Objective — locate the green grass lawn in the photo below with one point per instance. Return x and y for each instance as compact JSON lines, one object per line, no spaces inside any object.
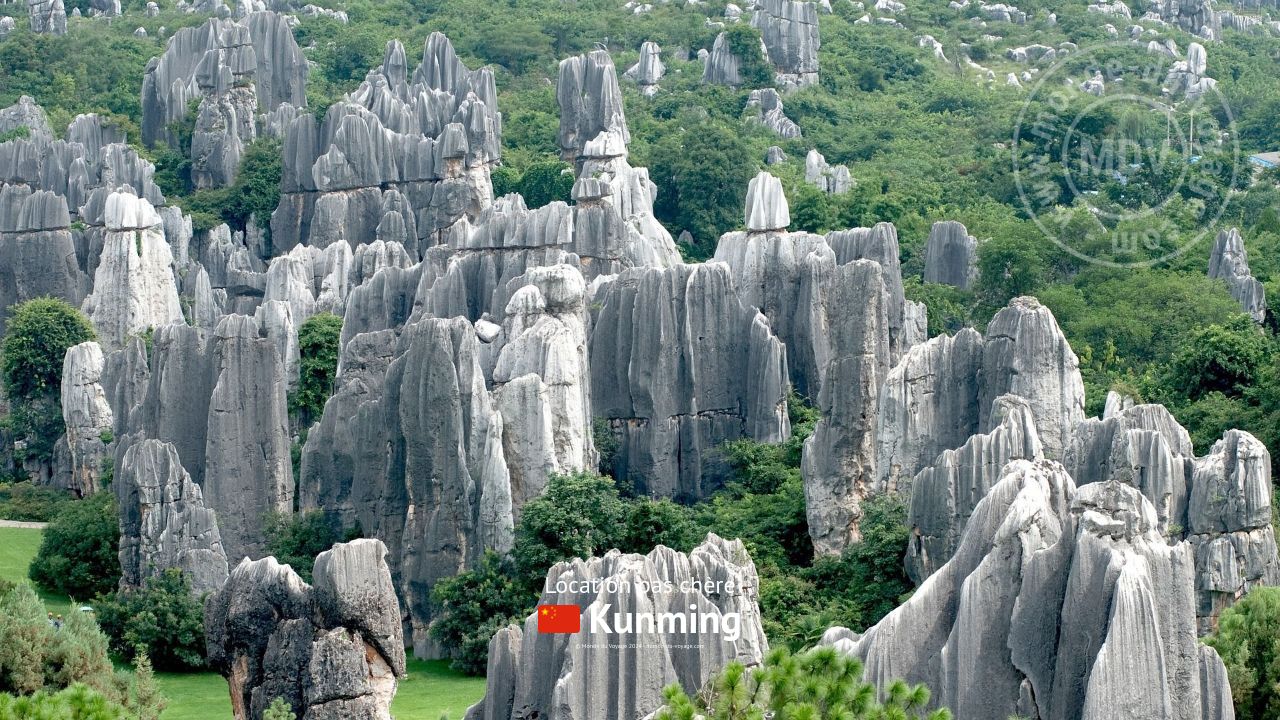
{"x":430,"y":690}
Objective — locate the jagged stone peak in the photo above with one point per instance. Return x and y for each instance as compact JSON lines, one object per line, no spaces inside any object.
{"x":951,"y":255}
{"x":766,"y":208}
{"x":1229,"y":261}
{"x":126,"y":211}
{"x":649,"y":69}
{"x":26,"y":113}
{"x":590,"y":106}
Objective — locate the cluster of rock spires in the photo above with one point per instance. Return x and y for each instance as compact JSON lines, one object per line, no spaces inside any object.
{"x":1230,"y":262}
{"x":333,"y":649}
{"x":789,"y":42}
{"x":1059,"y":602}
{"x":584,"y":675}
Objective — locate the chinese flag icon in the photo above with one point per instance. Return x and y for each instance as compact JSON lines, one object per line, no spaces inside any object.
{"x":559,"y":619}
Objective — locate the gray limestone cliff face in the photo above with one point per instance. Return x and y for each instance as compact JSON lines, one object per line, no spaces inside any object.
{"x":38,"y":247}
{"x":421,"y":147}
{"x":134,"y":289}
{"x":590,"y":104}
{"x":164,"y":522}
{"x":942,"y":391}
{"x":1230,"y":262}
{"x":831,"y":179}
{"x":411,"y":448}
{"x":951,"y":255}
{"x":541,"y":381}
{"x":789,"y":29}
{"x":721,"y":66}
{"x":1058,"y":603}
{"x":27,"y":114}
{"x":86,"y":415}
{"x":679,"y":365}
{"x":248,"y":471}
{"x":838,"y":462}
{"x":332,"y":650}
{"x":944,"y":495}
{"x":47,"y":17}
{"x":585,"y":675}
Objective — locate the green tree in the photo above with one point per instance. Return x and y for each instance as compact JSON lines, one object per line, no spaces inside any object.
{"x":1224,"y":358}
{"x":146,"y":702}
{"x":1248,"y":639}
{"x":820,"y":684}
{"x":319,"y":341}
{"x":702,"y":174}
{"x":78,"y":554}
{"x":279,"y":709}
{"x":161,"y":622}
{"x":296,"y":540}
{"x":578,"y":515}
{"x":746,"y":45}
{"x":649,"y":523}
{"x":34,"y":655}
{"x":473,"y":605}
{"x":78,"y":702}
{"x":36,"y":340}
{"x":546,"y":182}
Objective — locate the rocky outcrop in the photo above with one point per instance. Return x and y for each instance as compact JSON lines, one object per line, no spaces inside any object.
{"x":768,"y":112}
{"x":411,"y":448}
{"x":766,"y":207}
{"x":648,"y":70}
{"x":942,"y":391}
{"x":679,"y":365}
{"x":420,"y":146}
{"x":334,"y":649}
{"x":721,"y":66}
{"x":944,"y":495}
{"x":47,"y":16}
{"x":830,"y":179}
{"x":134,"y":290}
{"x":707,"y":618}
{"x":951,"y":255}
{"x":164,"y":522}
{"x":1059,"y":603}
{"x":1230,"y":262}
{"x":39,"y":251}
{"x":789,"y":29}
{"x":540,"y":380}
{"x":87,"y":417}
{"x":1187,"y":77}
{"x":25,"y":114}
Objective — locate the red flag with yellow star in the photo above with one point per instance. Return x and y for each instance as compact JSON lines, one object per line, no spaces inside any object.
{"x":559,"y":619}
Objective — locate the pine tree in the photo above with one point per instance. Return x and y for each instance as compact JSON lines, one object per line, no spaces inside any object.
{"x":145,"y":699}
{"x":278,"y":710}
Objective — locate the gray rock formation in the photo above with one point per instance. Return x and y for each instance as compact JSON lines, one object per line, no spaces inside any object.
{"x":27,"y":114}
{"x":942,"y":391}
{"x":769,"y":112}
{"x":766,"y":204}
{"x":831,"y":179}
{"x":648,"y":70}
{"x":332,"y":650}
{"x":134,"y":289}
{"x":1059,"y":603}
{"x":721,"y":66}
{"x":47,"y":16}
{"x":544,"y":675}
{"x":87,"y":417}
{"x":789,"y":29}
{"x":38,"y":247}
{"x":411,"y":448}
{"x":679,"y":365}
{"x":1230,"y":262}
{"x":420,"y":146}
{"x":944,"y":495}
{"x":951,"y":255}
{"x":164,"y":522}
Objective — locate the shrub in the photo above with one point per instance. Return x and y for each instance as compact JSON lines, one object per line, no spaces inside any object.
{"x":318,"y":346}
{"x":577,"y":516}
{"x":160,"y":621}
{"x":296,"y":540}
{"x":821,"y":684}
{"x":753,"y":67}
{"x":78,"y":554}
{"x":474,"y":605}
{"x":279,"y":709}
{"x":34,"y":655}
{"x":1248,"y":639}
{"x":78,"y":702}
{"x":29,"y":502}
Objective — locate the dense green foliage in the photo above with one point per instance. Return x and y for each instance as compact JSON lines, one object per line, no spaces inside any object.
{"x":296,"y":539}
{"x":36,"y":340}
{"x":1248,"y":639}
{"x":820,"y":684}
{"x":79,"y":551}
{"x":28,"y":502}
{"x":318,"y":345}
{"x":78,"y":702}
{"x":278,"y":710}
{"x":473,"y":606}
{"x":37,"y":655}
{"x":160,"y":621}
{"x":254,"y":194}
